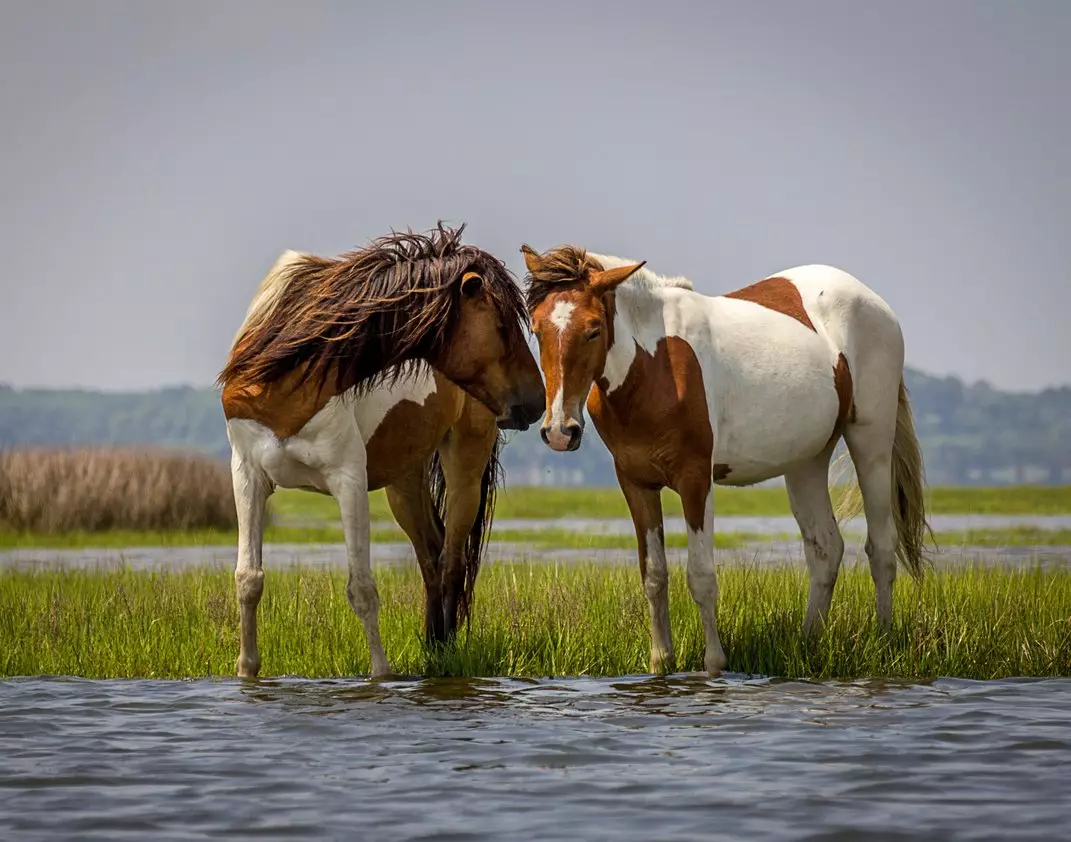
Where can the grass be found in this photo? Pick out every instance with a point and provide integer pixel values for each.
(533, 620)
(543, 539)
(528, 502)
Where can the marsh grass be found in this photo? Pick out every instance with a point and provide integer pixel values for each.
(55, 491)
(536, 619)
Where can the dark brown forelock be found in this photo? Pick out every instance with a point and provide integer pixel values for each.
(559, 269)
(369, 310)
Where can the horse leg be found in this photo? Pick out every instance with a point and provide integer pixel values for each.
(645, 505)
(411, 504)
(870, 447)
(350, 489)
(251, 491)
(464, 456)
(823, 545)
(697, 500)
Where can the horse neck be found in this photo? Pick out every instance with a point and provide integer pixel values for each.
(636, 316)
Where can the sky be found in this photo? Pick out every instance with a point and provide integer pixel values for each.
(156, 158)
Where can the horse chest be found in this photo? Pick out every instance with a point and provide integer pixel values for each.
(658, 443)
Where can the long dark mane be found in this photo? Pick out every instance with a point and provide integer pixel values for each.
(561, 267)
(357, 317)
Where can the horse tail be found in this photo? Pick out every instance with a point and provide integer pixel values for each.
(909, 498)
(481, 525)
(908, 492)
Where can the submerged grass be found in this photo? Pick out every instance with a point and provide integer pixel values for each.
(528, 502)
(536, 619)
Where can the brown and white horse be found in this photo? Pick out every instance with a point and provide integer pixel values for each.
(347, 375)
(693, 390)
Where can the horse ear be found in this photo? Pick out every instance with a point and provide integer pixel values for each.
(471, 284)
(608, 279)
(531, 258)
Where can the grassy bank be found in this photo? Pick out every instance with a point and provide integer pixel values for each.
(533, 620)
(527, 502)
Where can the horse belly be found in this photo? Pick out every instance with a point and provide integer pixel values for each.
(776, 406)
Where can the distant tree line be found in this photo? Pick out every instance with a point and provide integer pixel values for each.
(971, 434)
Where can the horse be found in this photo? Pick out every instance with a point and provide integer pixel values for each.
(346, 374)
(689, 391)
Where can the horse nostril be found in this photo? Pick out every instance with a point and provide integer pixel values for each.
(574, 431)
(543, 435)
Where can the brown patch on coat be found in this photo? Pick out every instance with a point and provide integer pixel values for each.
(657, 427)
(411, 431)
(284, 407)
(778, 294)
(842, 382)
(720, 471)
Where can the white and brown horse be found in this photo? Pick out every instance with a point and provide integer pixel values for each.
(693, 390)
(348, 374)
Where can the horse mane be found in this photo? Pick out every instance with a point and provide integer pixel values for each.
(360, 316)
(569, 266)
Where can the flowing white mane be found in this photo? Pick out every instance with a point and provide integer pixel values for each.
(644, 278)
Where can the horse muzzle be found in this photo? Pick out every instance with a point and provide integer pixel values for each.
(562, 437)
(524, 411)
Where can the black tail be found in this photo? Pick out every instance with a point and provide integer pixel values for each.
(481, 526)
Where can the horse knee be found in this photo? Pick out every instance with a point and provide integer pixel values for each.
(702, 582)
(363, 595)
(249, 583)
(656, 581)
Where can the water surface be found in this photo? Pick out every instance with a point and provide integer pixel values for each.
(635, 758)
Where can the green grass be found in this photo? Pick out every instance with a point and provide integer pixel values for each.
(533, 620)
(543, 539)
(535, 502)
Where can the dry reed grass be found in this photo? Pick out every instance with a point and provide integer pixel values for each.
(93, 489)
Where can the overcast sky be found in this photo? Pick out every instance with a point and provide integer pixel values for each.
(156, 157)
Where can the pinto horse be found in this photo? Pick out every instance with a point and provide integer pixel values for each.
(693, 390)
(348, 374)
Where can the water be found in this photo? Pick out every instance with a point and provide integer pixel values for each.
(277, 556)
(635, 758)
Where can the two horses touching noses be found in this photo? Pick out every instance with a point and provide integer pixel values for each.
(396, 366)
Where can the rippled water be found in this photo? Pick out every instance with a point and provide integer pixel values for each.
(635, 758)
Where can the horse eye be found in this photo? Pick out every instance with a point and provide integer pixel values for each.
(594, 335)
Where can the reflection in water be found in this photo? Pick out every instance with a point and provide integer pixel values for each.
(635, 757)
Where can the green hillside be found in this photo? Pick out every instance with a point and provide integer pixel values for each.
(971, 434)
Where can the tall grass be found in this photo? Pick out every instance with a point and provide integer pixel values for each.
(57, 491)
(534, 620)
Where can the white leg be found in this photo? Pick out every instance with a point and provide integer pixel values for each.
(702, 578)
(645, 506)
(823, 545)
(251, 490)
(871, 452)
(350, 489)
(656, 586)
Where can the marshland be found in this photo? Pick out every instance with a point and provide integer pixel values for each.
(218, 218)
(547, 604)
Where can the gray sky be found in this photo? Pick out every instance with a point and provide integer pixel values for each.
(156, 157)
